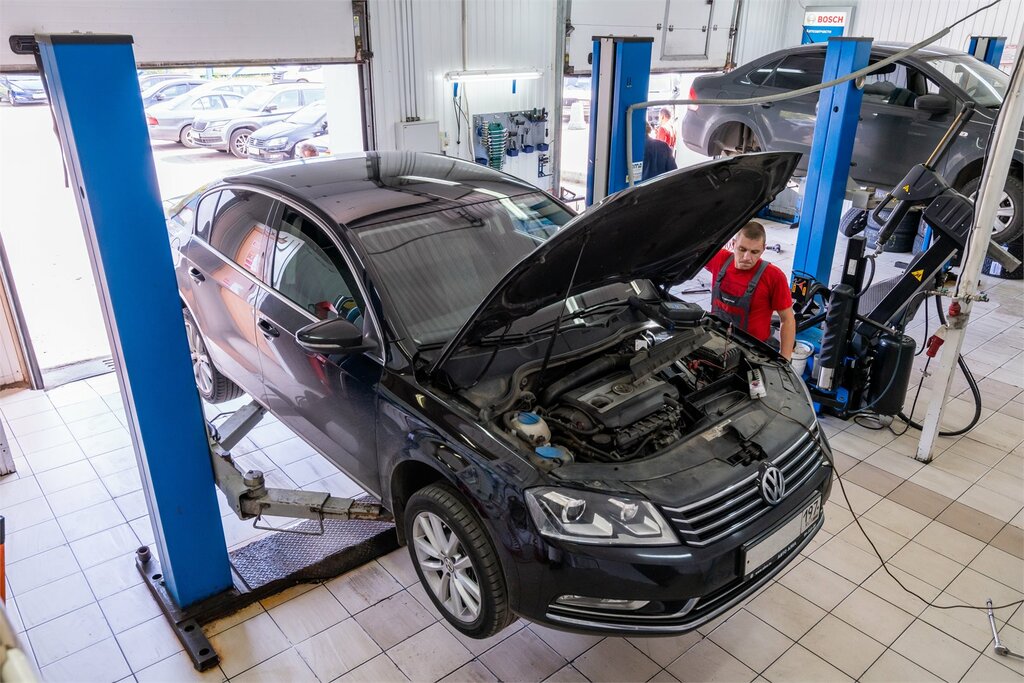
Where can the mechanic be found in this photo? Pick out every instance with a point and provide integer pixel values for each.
(666, 133)
(746, 290)
(658, 157)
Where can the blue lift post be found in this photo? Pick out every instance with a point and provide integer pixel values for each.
(621, 75)
(988, 49)
(829, 162)
(125, 234)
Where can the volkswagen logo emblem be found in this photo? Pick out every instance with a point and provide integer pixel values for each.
(773, 484)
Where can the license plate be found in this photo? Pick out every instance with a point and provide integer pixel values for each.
(255, 152)
(38, 96)
(767, 550)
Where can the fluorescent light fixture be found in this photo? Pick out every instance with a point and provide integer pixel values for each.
(493, 75)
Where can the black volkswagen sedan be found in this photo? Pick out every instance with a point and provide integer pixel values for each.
(556, 435)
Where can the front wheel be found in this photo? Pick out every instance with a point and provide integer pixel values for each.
(238, 145)
(1007, 225)
(185, 137)
(456, 562)
(212, 386)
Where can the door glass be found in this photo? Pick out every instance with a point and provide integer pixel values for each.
(202, 103)
(240, 229)
(759, 74)
(889, 86)
(798, 71)
(287, 100)
(204, 215)
(174, 90)
(309, 270)
(313, 95)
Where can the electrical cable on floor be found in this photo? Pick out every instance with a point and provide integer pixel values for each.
(856, 518)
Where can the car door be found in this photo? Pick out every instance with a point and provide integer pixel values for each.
(330, 401)
(284, 103)
(226, 257)
(790, 123)
(890, 122)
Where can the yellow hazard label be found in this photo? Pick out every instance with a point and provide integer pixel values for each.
(906, 188)
(918, 274)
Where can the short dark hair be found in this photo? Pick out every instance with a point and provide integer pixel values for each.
(666, 112)
(754, 231)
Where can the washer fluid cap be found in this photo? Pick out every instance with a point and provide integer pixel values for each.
(529, 418)
(550, 452)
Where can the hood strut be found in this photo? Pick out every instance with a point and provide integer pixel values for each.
(558, 322)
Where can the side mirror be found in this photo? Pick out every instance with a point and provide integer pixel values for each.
(323, 126)
(331, 337)
(270, 108)
(159, 97)
(932, 104)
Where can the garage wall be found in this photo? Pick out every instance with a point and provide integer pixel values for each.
(415, 43)
(768, 25)
(11, 363)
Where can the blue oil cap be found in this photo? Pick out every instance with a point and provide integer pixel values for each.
(549, 452)
(529, 418)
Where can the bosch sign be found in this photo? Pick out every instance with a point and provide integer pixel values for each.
(820, 25)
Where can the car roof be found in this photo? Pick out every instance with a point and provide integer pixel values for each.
(291, 86)
(361, 189)
(885, 47)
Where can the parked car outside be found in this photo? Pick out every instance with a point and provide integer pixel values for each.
(172, 120)
(168, 90)
(148, 80)
(306, 73)
(906, 109)
(229, 129)
(277, 141)
(606, 470)
(17, 89)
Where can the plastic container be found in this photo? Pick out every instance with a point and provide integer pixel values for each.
(556, 454)
(532, 427)
(801, 352)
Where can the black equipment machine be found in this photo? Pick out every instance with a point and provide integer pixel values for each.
(865, 361)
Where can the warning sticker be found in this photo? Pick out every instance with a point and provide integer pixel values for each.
(906, 188)
(918, 274)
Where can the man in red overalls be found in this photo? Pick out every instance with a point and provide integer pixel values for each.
(746, 290)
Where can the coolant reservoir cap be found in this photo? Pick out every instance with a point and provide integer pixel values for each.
(529, 418)
(548, 452)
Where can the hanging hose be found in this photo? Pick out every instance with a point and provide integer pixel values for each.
(970, 383)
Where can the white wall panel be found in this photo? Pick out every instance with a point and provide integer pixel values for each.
(193, 31)
(409, 66)
(768, 25)
(11, 370)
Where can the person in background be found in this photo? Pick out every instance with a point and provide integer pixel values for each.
(747, 290)
(666, 132)
(306, 150)
(658, 157)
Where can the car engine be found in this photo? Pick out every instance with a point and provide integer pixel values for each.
(632, 402)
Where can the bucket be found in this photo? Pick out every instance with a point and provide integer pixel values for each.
(801, 352)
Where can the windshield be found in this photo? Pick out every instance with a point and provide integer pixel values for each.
(257, 99)
(984, 83)
(309, 114)
(437, 268)
(26, 82)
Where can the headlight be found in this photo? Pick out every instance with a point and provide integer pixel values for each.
(596, 518)
(277, 142)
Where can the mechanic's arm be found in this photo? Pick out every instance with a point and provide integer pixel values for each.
(787, 333)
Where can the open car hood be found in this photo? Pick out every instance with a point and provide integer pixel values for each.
(664, 230)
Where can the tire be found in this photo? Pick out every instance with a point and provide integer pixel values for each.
(1009, 214)
(213, 386)
(238, 142)
(447, 540)
(13, 102)
(853, 222)
(184, 139)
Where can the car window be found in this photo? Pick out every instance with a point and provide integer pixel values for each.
(204, 214)
(313, 95)
(240, 228)
(309, 270)
(290, 99)
(798, 71)
(175, 90)
(759, 74)
(890, 85)
(228, 100)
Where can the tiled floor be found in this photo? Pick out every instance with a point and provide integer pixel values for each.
(952, 531)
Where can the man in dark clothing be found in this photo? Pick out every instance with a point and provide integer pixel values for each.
(658, 157)
(746, 290)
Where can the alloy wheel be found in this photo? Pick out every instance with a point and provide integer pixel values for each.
(241, 144)
(202, 369)
(1004, 212)
(447, 567)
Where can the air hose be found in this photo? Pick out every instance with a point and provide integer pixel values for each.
(970, 383)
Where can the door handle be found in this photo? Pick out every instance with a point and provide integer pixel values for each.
(268, 329)
(196, 275)
(766, 105)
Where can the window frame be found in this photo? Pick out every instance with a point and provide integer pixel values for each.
(813, 54)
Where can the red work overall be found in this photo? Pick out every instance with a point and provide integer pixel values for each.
(734, 309)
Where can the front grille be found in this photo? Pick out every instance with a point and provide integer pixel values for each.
(256, 144)
(715, 517)
(199, 126)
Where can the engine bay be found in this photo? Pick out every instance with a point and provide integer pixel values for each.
(634, 400)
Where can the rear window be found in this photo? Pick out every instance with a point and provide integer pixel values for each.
(798, 71)
(758, 75)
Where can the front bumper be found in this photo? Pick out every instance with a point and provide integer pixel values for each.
(29, 98)
(685, 586)
(209, 140)
(268, 155)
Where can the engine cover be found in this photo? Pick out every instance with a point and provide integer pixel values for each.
(617, 401)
